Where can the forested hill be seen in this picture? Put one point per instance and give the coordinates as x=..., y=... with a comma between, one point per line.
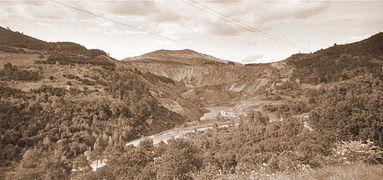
x=60, y=100
x=15, y=42
x=340, y=62
x=17, y=39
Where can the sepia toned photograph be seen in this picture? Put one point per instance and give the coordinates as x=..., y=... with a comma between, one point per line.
x=191, y=89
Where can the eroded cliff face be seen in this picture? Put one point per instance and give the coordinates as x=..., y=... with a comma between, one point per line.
x=214, y=82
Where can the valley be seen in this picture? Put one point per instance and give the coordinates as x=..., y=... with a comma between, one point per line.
x=68, y=112
x=218, y=116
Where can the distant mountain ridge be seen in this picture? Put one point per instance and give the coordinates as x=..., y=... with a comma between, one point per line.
x=184, y=56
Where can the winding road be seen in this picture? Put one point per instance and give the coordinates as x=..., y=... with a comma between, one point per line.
x=179, y=132
x=207, y=120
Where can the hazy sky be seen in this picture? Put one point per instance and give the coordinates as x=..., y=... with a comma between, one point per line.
x=279, y=28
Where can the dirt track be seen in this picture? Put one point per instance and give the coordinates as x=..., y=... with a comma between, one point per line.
x=207, y=121
x=179, y=132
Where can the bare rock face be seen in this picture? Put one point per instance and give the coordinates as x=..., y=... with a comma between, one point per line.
x=212, y=80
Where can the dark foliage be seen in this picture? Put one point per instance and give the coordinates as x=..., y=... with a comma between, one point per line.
x=73, y=48
x=351, y=110
x=85, y=81
x=340, y=62
x=66, y=59
x=12, y=72
x=11, y=41
x=17, y=39
x=276, y=146
x=179, y=159
x=48, y=129
x=10, y=49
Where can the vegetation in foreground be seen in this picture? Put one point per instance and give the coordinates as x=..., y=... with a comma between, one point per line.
x=335, y=172
x=257, y=148
x=46, y=131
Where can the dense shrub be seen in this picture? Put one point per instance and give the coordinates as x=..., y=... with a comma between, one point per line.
x=179, y=159
x=351, y=110
x=67, y=59
x=73, y=48
x=12, y=72
x=339, y=62
x=83, y=80
x=11, y=49
x=357, y=151
x=57, y=126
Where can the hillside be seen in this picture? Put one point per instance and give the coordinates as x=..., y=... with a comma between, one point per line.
x=301, y=71
x=340, y=62
x=210, y=80
x=13, y=41
x=68, y=112
x=60, y=101
x=324, y=129
x=17, y=39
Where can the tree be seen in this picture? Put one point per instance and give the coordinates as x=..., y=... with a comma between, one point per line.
x=180, y=160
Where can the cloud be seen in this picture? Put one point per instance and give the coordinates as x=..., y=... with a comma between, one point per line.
x=311, y=11
x=151, y=10
x=166, y=16
x=222, y=29
x=261, y=15
x=134, y=8
x=295, y=11
x=252, y=59
x=42, y=10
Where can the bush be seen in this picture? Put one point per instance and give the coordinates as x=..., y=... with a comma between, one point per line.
x=66, y=59
x=12, y=72
x=357, y=151
x=351, y=110
x=179, y=160
x=11, y=49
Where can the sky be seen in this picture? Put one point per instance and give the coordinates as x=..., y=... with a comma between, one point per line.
x=238, y=30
